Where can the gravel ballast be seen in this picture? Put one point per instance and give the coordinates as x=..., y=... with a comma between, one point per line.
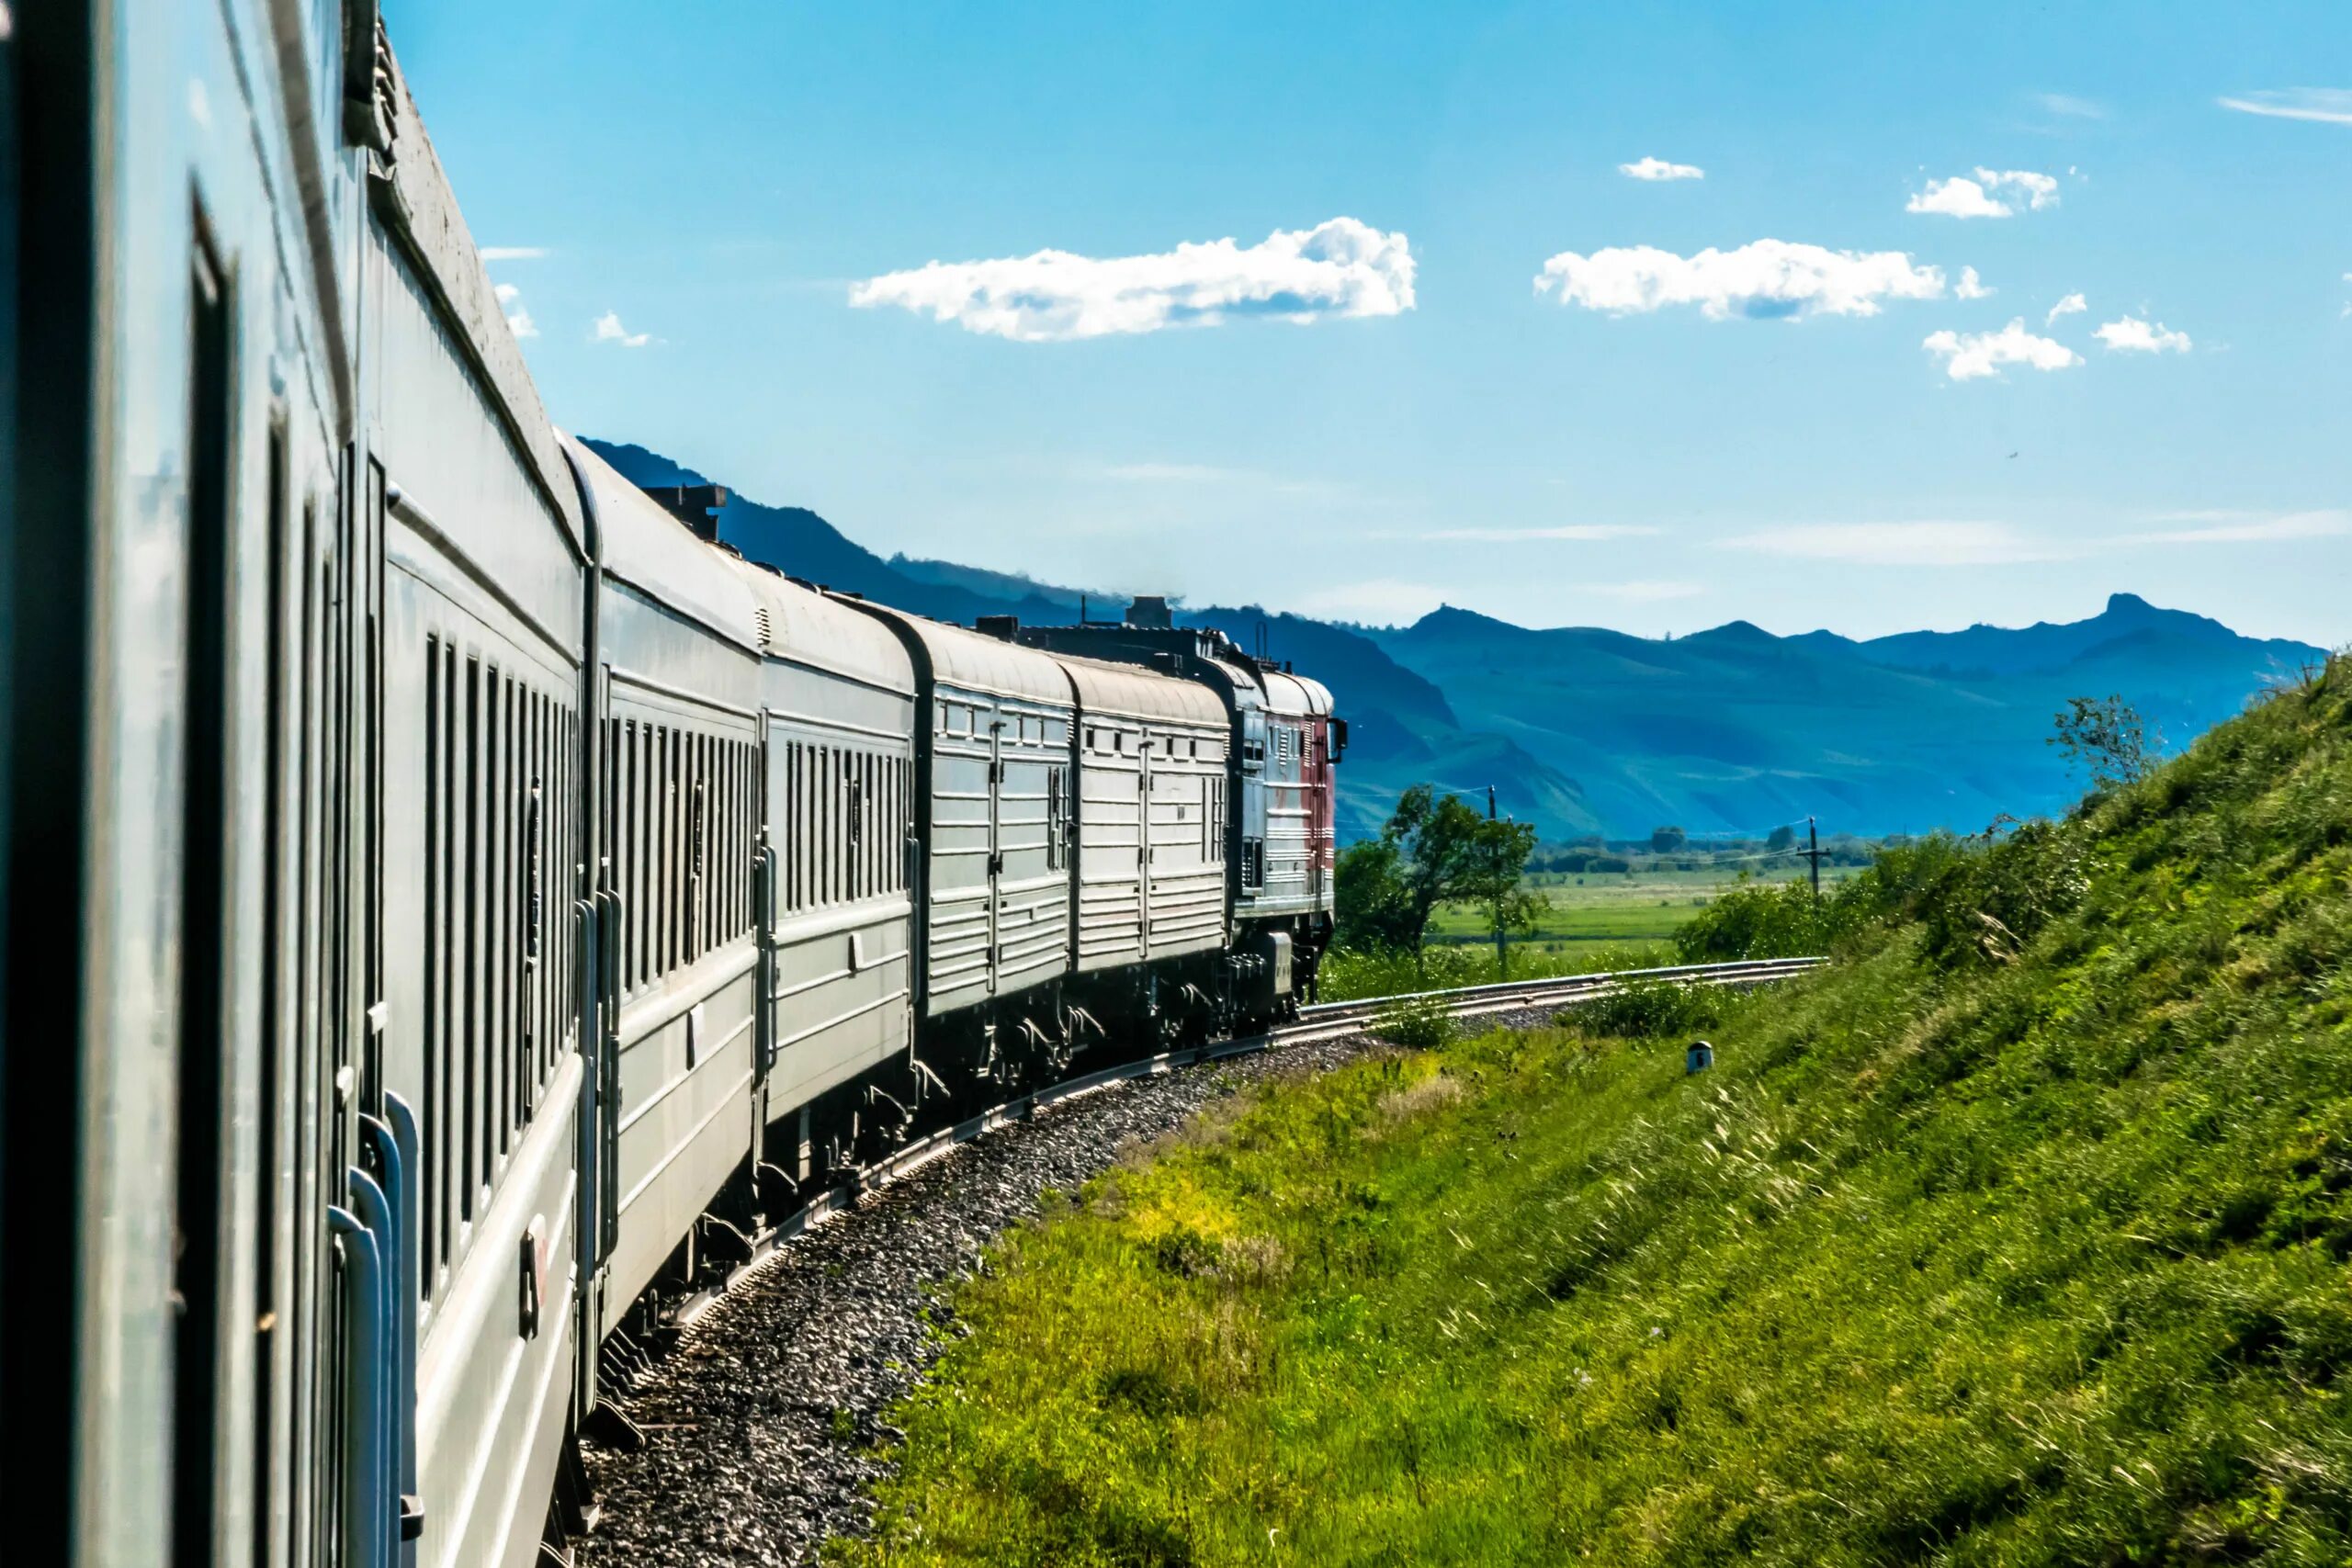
x=762, y=1422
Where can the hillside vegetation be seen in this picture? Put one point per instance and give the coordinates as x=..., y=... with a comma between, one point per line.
x=2018, y=1237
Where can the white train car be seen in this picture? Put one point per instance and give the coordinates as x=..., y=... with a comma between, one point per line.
x=441, y=888
x=472, y=1071
x=679, y=796
x=1151, y=840
x=837, y=696
x=993, y=781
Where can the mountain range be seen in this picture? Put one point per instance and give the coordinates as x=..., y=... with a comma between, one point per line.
x=1585, y=731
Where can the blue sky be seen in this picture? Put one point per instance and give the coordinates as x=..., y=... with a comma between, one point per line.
x=1826, y=421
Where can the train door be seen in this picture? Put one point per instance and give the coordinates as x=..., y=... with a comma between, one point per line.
x=1253, y=799
x=1143, y=842
x=997, y=771
x=765, y=855
x=600, y=1127
x=204, y=1068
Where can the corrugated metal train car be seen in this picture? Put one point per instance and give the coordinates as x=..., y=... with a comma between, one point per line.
x=452, y=903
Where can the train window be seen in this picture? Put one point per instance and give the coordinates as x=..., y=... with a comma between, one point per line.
x=470, y=903
x=828, y=824
x=790, y=828
x=1054, y=846
x=676, y=857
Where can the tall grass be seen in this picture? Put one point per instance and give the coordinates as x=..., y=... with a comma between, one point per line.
x=2021, y=1235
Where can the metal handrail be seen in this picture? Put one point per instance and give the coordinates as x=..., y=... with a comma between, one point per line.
x=369, y=1520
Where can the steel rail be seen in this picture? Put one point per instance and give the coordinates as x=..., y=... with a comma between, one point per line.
x=1316, y=1024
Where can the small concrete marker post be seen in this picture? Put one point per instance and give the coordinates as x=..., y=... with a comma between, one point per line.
x=1699, y=1058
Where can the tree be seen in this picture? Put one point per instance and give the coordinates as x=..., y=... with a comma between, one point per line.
x=1783, y=838
x=1440, y=851
x=1666, y=841
x=2106, y=740
x=1368, y=895
x=1498, y=869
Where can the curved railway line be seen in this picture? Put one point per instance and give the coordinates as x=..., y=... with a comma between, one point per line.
x=754, y=1432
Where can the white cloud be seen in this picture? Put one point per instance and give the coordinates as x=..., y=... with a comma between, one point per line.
x=1900, y=544
x=609, y=330
x=1339, y=268
x=1385, y=601
x=1764, y=277
x=2071, y=305
x=1959, y=197
x=1582, y=531
x=2331, y=105
x=1171, y=473
x=2067, y=103
x=1245, y=480
x=1660, y=169
x=1962, y=197
x=1970, y=286
x=2326, y=524
x=2038, y=190
x=2135, y=336
x=518, y=321
x=1969, y=356
x=511, y=252
x=1647, y=593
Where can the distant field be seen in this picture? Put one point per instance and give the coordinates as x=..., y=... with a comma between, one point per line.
x=1610, y=907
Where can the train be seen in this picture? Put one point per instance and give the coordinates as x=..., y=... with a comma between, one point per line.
x=452, y=900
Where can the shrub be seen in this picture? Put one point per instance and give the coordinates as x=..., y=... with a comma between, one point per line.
x=1417, y=1023
x=1646, y=1009
x=1762, y=920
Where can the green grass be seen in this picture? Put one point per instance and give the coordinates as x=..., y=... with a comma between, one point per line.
x=1647, y=907
x=2015, y=1246
x=1346, y=975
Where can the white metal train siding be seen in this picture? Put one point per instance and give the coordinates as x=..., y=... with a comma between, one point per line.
x=175, y=502
x=837, y=694
x=1292, y=875
x=680, y=798
x=481, y=723
x=482, y=643
x=998, y=876
x=1150, y=825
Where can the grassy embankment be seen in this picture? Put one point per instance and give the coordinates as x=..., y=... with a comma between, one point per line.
x=2021, y=1237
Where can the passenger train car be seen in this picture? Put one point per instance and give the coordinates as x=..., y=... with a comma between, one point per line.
x=450, y=899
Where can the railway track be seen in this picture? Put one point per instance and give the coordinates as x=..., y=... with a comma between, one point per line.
x=1316, y=1024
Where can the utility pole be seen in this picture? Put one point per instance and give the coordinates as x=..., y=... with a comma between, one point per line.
x=1813, y=853
x=1502, y=958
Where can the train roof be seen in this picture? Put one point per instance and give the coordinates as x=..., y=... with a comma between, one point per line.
x=1200, y=653
x=415, y=201
x=804, y=627
x=644, y=547
x=973, y=660
x=1294, y=694
x=1133, y=691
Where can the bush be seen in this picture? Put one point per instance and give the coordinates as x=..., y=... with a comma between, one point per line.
x=1419, y=1023
x=1762, y=920
x=1646, y=1009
